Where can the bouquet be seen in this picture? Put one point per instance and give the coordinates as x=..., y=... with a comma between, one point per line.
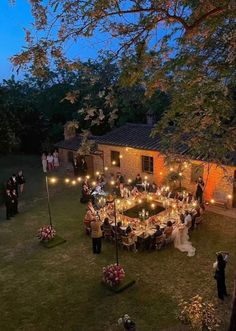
x=46, y=233
x=198, y=314
x=127, y=323
x=113, y=275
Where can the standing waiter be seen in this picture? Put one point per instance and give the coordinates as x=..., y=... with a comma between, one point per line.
x=199, y=190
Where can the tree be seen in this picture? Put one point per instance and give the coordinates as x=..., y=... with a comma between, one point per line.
x=193, y=59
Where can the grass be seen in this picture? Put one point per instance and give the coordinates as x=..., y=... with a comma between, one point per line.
x=60, y=288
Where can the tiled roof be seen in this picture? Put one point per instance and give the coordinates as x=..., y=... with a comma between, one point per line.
x=130, y=135
x=72, y=144
x=135, y=136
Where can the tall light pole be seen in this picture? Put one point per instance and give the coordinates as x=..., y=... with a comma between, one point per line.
x=48, y=198
x=111, y=200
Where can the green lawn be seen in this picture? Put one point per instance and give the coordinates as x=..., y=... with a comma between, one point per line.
x=60, y=288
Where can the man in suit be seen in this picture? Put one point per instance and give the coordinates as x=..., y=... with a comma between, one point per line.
x=14, y=183
x=9, y=204
x=199, y=190
x=75, y=164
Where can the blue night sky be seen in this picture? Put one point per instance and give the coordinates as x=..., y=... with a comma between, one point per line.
x=13, y=20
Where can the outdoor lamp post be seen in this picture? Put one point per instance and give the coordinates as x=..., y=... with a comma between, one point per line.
x=53, y=180
x=111, y=200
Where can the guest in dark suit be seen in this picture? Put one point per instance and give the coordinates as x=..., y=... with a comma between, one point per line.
x=14, y=183
x=9, y=204
x=219, y=266
x=75, y=164
x=199, y=190
x=15, y=203
x=83, y=168
x=21, y=180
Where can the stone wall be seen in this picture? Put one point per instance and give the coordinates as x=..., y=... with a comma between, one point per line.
x=215, y=178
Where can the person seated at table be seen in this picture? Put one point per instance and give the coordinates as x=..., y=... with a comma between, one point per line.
x=179, y=196
x=107, y=228
x=138, y=182
x=187, y=219
x=152, y=188
x=135, y=192
x=168, y=231
x=159, y=238
x=188, y=198
x=119, y=178
x=119, y=231
x=171, y=195
x=86, y=191
x=101, y=180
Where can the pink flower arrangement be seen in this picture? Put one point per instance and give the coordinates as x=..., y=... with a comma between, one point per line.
x=46, y=233
x=113, y=275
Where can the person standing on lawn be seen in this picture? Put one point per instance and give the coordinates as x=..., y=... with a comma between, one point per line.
x=219, y=266
x=44, y=162
x=21, y=180
x=96, y=235
x=9, y=204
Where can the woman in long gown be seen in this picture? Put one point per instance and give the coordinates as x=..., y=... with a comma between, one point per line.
x=181, y=239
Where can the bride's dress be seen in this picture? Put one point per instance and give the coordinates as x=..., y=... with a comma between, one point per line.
x=181, y=240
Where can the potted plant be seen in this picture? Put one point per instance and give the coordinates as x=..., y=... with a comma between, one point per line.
x=46, y=233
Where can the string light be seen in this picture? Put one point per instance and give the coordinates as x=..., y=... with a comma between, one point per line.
x=146, y=177
x=73, y=182
x=53, y=180
x=67, y=180
x=153, y=205
x=212, y=201
x=105, y=168
x=161, y=173
x=93, y=183
x=129, y=180
x=171, y=169
x=113, y=162
x=118, y=201
x=97, y=173
x=88, y=177
x=139, y=201
x=79, y=179
x=112, y=182
x=121, y=156
x=127, y=149
x=229, y=196
x=180, y=174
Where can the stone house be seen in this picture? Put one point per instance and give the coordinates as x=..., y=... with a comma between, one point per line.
x=130, y=150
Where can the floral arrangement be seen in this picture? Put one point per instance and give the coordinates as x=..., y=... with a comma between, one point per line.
x=113, y=275
x=46, y=233
x=198, y=314
x=127, y=323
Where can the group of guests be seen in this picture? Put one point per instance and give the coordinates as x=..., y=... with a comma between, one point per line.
x=14, y=185
x=126, y=188
x=50, y=161
x=79, y=166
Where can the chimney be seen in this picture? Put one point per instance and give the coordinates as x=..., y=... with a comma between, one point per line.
x=150, y=117
x=69, y=130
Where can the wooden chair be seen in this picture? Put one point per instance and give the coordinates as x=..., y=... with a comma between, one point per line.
x=159, y=242
x=128, y=243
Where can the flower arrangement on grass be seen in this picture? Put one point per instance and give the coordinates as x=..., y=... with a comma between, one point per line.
x=198, y=314
x=46, y=233
x=113, y=275
x=127, y=323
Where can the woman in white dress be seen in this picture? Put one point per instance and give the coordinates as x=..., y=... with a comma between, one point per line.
x=55, y=159
x=44, y=162
x=181, y=239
